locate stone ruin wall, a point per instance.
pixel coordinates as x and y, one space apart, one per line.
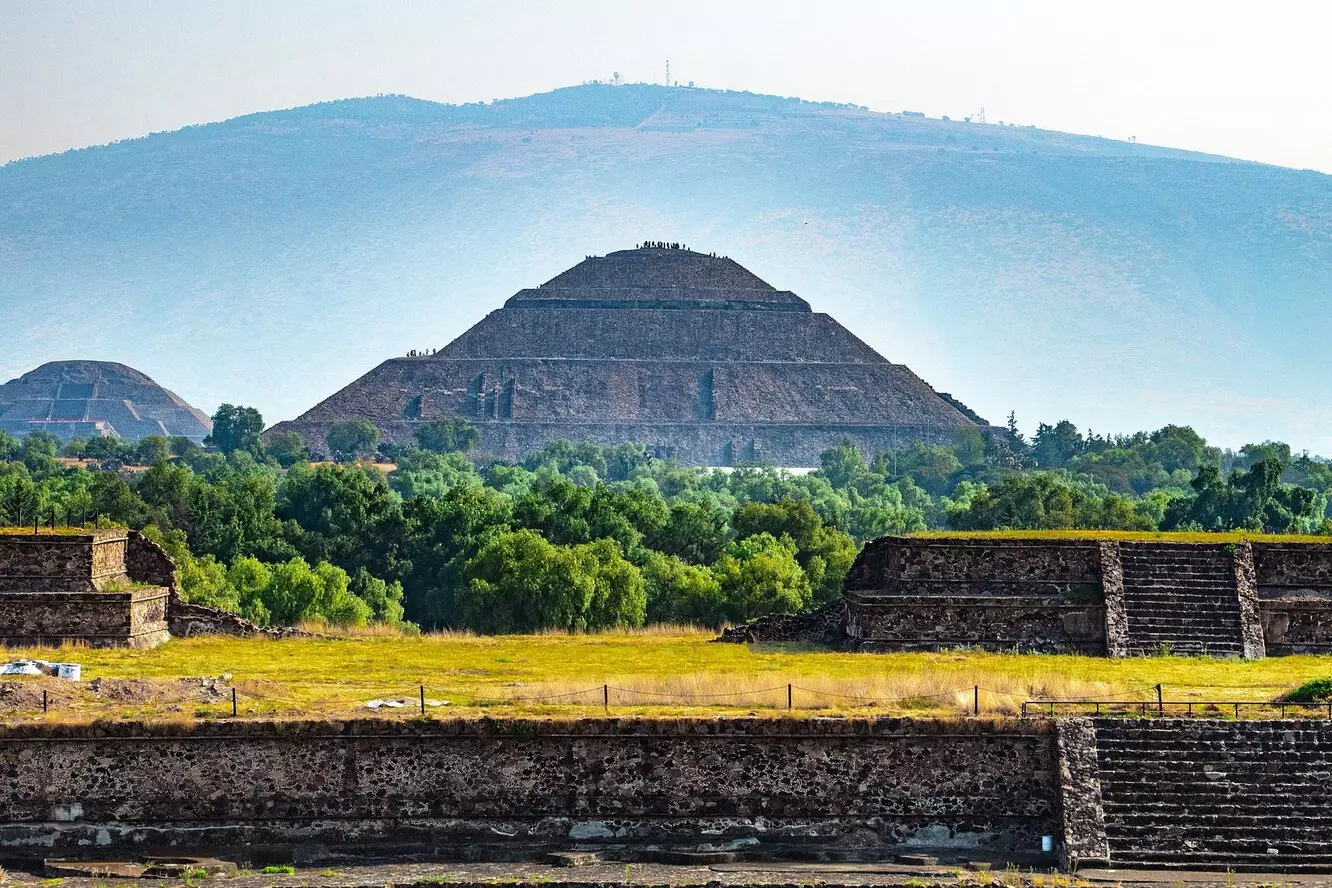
824 783
927 593
1056 596
101 588
1295 596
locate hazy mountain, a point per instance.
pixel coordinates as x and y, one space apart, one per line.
273 258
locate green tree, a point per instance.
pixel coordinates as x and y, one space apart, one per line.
151 450
353 439
682 593
694 532
519 582
447 436
619 595
237 428
383 599
842 465
288 448
299 592
825 553
39 453
1055 445
250 577
760 575
10 448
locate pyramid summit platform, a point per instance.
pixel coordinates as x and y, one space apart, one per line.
689 353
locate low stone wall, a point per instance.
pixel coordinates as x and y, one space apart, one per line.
147 562
856 784
924 593
101 588
1294 583
190 620
62 562
1049 624
134 618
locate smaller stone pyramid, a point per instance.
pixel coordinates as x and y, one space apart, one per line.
91 399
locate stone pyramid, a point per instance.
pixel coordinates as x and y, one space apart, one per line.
688 353
89 399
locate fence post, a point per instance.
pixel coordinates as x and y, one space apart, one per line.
44 701
975 700
788 697
423 699
1160 706
605 697
233 702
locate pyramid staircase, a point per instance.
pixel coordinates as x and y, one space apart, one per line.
1181 599
1214 794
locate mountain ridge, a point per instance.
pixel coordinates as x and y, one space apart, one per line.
274 257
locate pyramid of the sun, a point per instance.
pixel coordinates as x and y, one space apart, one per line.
89 399
688 353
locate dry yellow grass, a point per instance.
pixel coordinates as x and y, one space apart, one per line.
652 673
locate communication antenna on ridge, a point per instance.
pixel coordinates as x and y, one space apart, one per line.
668 72
980 115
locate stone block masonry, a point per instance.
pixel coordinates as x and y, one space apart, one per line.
102 588
926 593
872 785
1204 794
1113 597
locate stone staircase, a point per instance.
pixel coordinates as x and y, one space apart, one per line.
1249 796
1181 598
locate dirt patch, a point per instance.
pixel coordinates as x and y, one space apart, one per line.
24 695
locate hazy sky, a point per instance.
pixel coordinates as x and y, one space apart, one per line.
1249 80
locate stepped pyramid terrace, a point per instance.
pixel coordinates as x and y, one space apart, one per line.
93 399
686 352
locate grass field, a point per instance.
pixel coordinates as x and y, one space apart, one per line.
653 673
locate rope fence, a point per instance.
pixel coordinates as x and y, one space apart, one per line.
229 701
789 696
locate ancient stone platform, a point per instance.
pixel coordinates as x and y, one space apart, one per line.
688 353
102 588
1107 597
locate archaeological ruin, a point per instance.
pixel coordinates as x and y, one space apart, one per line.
688 353
93 399
1079 792
101 588
1106 597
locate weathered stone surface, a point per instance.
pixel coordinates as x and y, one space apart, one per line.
1214 794
1295 596
690 354
1246 587
924 593
1249 599
1082 816
89 399
824 625
547 783
101 588
1112 591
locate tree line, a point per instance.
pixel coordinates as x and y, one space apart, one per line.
585 537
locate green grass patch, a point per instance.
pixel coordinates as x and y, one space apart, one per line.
1318 690
281 869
